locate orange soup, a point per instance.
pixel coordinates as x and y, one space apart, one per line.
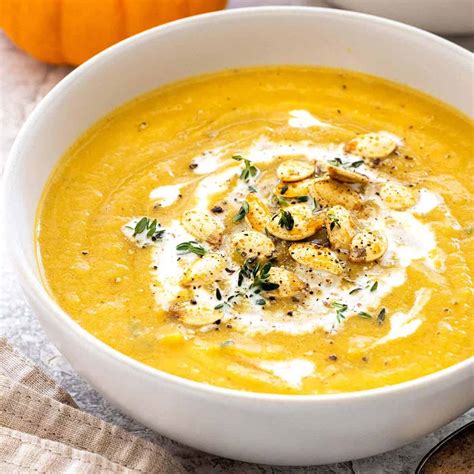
282 229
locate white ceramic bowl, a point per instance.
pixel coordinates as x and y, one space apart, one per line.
276 429
448 17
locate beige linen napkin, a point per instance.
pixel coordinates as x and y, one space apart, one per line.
42 430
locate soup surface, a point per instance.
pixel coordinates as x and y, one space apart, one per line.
288 230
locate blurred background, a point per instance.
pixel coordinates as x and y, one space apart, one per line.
67 32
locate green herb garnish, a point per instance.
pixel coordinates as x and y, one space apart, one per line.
340 309
333 221
364 315
314 202
140 226
335 162
191 247
151 227
381 316
354 290
253 270
286 220
227 302
258 274
345 164
249 169
243 211
284 189
374 286
281 201
222 305
261 279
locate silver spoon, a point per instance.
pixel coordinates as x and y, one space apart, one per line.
453 454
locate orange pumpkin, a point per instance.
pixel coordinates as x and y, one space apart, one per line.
71 31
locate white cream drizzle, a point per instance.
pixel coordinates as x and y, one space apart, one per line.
213 184
409 240
208 162
404 324
427 201
166 195
167 270
290 371
264 150
304 119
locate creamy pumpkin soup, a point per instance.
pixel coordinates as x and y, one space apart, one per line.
288 230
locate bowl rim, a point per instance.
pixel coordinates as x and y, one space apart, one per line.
36 290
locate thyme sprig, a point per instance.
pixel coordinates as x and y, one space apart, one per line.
285 220
284 201
371 286
191 247
243 211
333 220
249 171
340 309
345 164
259 273
150 226
228 301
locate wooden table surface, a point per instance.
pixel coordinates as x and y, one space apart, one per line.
23 82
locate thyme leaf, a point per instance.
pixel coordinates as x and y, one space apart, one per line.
345 164
335 162
302 198
333 220
340 309
315 204
253 270
140 226
243 211
286 220
191 247
381 316
249 171
151 227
